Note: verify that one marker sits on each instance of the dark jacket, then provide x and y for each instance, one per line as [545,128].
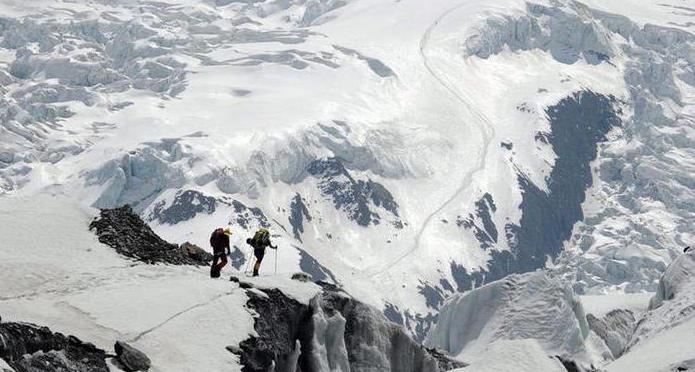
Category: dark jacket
[219,241]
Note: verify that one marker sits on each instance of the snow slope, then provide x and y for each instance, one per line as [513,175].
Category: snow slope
[407,151]
[514,355]
[56,273]
[665,352]
[533,306]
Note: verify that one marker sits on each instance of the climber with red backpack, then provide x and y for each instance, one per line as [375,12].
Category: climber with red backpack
[259,242]
[219,240]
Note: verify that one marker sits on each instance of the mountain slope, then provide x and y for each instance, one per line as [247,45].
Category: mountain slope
[409,159]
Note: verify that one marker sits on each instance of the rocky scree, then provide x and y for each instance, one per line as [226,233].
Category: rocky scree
[130,236]
[30,348]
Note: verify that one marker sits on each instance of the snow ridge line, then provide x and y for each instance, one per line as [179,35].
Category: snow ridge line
[487,130]
[182,312]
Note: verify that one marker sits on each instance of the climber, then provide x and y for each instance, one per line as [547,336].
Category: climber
[259,242]
[219,240]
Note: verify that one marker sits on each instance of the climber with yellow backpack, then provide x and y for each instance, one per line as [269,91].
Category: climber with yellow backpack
[259,242]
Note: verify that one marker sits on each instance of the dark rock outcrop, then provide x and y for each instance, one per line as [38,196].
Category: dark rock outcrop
[130,236]
[298,212]
[359,199]
[247,217]
[195,252]
[31,348]
[481,223]
[350,334]
[130,358]
[186,205]
[302,277]
[444,361]
[578,124]
[313,267]
[281,321]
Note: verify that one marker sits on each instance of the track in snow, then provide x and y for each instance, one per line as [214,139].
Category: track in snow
[486,129]
[182,312]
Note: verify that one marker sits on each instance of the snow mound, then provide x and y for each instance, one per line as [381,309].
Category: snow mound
[528,306]
[514,355]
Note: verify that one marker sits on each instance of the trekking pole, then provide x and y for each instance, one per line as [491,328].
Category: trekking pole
[248,263]
[276,261]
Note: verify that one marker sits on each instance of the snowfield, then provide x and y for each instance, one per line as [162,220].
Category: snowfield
[408,151]
[58,274]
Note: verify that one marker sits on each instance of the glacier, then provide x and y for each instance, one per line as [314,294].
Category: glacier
[406,152]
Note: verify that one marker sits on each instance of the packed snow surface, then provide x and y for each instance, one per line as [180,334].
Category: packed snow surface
[56,273]
[514,355]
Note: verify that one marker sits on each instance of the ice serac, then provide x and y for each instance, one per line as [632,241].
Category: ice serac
[526,306]
[663,335]
[332,332]
[640,205]
[673,303]
[615,329]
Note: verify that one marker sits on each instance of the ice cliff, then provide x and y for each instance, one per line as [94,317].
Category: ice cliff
[527,306]
[331,332]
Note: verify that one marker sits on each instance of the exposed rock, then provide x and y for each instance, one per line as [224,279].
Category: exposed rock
[444,361]
[298,212]
[186,205]
[30,348]
[481,223]
[333,332]
[234,279]
[578,124]
[234,349]
[248,217]
[281,321]
[196,253]
[245,285]
[302,277]
[126,232]
[237,258]
[131,358]
[377,66]
[311,266]
[357,198]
